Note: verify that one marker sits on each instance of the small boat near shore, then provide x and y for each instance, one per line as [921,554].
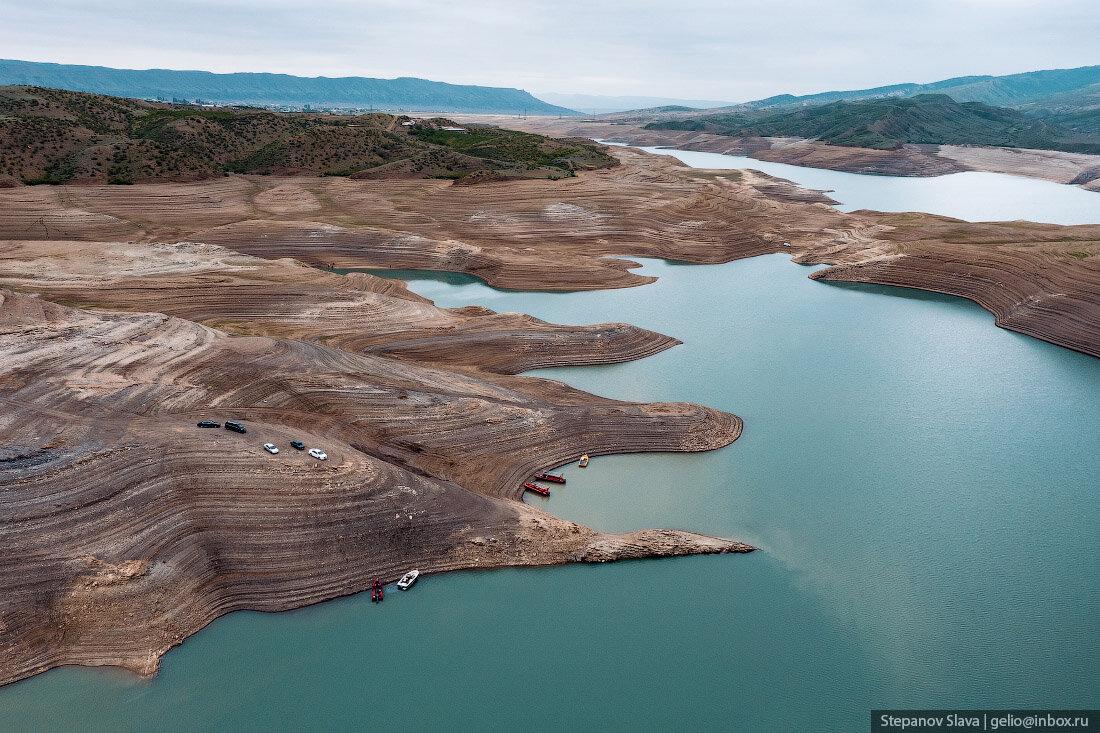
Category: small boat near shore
[376,590]
[408,579]
[550,477]
[583,462]
[536,488]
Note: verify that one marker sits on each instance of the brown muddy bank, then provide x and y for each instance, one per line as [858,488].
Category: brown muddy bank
[127,528]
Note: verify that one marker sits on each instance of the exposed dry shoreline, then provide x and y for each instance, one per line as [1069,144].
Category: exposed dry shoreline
[1076,169]
[127,529]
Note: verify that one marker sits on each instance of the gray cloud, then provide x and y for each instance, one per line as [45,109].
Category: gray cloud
[694,48]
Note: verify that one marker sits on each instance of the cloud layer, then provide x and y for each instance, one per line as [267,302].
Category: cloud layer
[692,48]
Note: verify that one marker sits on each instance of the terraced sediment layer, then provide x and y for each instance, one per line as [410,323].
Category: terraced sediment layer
[1047,286]
[357,312]
[127,528]
[568,235]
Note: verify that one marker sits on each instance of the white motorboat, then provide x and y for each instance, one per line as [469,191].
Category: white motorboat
[408,579]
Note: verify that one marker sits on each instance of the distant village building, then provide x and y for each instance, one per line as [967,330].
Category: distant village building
[454,129]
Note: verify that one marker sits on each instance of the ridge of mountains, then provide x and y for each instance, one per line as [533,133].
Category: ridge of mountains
[406,94]
[1054,109]
[888,123]
[1046,89]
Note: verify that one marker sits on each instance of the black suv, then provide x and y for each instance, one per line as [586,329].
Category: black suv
[209,424]
[235,426]
[297,444]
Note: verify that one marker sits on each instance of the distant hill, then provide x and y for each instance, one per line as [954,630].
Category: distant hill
[1031,88]
[598,104]
[1077,110]
[889,123]
[404,94]
[56,136]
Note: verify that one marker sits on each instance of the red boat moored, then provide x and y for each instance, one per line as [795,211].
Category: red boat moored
[550,477]
[376,590]
[536,488]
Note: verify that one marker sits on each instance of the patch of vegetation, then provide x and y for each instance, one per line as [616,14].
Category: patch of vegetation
[342,173]
[513,148]
[53,136]
[734,176]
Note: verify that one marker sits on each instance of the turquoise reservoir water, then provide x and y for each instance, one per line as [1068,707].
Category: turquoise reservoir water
[923,486]
[970,196]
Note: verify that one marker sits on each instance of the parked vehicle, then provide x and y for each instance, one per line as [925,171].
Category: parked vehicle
[319,454]
[297,445]
[270,448]
[235,426]
[209,424]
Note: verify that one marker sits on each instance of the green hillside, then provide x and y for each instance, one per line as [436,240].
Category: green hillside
[889,123]
[1037,90]
[54,136]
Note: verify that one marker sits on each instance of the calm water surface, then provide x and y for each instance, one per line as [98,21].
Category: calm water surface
[923,486]
[971,196]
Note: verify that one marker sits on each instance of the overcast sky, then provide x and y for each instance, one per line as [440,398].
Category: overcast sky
[734,51]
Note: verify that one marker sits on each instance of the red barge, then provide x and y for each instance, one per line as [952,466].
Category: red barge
[536,488]
[550,477]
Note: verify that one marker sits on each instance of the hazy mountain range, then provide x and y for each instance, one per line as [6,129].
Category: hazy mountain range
[1013,90]
[404,94]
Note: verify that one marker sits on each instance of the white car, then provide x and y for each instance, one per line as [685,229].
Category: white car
[319,454]
[270,448]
